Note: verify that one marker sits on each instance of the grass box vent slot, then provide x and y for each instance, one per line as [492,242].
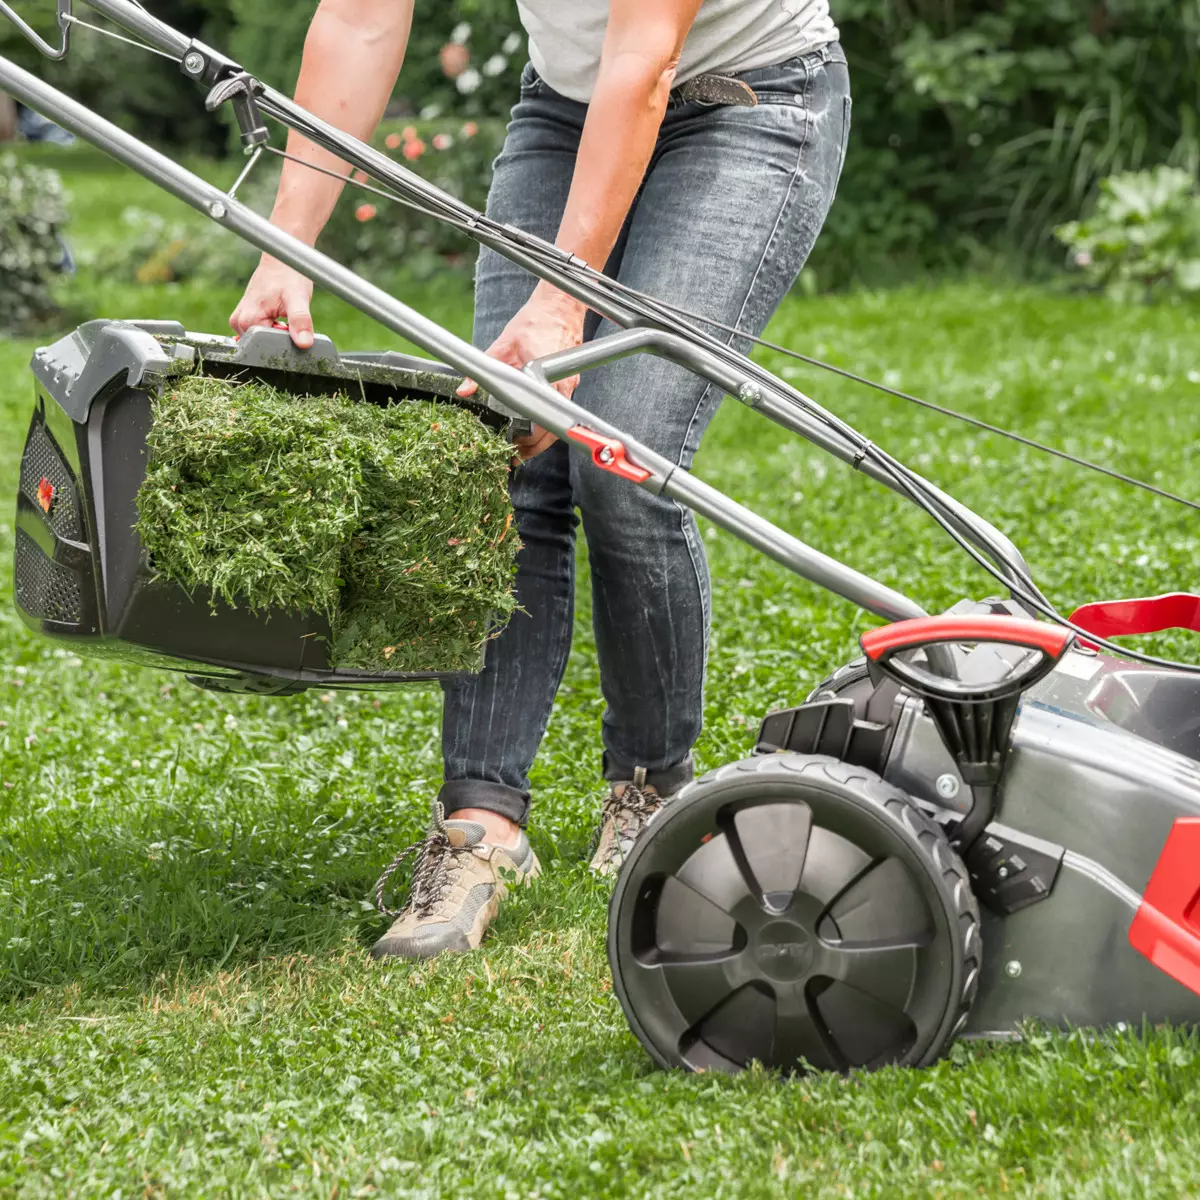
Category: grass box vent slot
[263,518]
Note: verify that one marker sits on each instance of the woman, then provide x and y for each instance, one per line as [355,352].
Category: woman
[691,148]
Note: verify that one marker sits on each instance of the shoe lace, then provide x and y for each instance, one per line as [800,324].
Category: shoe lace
[634,804]
[437,865]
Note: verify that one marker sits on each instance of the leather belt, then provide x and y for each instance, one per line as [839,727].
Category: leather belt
[716,89]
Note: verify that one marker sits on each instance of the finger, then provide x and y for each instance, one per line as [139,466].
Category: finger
[503,351]
[299,319]
[566,387]
[529,448]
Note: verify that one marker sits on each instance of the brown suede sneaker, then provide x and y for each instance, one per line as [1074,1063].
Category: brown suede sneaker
[456,889]
[626,810]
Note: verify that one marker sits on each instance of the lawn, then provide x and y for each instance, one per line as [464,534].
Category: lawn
[187,1005]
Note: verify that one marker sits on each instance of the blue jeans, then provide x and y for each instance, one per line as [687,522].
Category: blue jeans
[730,207]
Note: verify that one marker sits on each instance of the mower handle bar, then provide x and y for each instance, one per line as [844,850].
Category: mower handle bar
[765,395]
[526,393]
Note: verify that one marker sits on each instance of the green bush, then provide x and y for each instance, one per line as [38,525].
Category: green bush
[139,91]
[32,215]
[1143,240]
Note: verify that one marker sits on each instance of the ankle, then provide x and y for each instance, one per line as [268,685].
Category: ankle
[498,830]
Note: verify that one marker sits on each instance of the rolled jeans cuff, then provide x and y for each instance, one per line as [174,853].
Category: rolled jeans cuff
[666,781]
[482,793]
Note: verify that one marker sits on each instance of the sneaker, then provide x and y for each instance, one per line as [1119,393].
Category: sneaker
[456,889]
[626,810]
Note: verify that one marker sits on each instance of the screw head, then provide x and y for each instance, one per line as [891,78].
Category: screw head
[606,455]
[947,786]
[216,210]
[1003,872]
[750,393]
[1012,969]
[193,63]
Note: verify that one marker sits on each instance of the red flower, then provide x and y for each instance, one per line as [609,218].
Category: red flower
[393,141]
[365,212]
[414,148]
[454,59]
[442,141]
[408,132]
[45,494]
[470,129]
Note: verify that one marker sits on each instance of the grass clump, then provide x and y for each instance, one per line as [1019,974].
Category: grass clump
[393,523]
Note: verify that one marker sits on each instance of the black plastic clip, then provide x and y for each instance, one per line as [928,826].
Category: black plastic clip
[240,90]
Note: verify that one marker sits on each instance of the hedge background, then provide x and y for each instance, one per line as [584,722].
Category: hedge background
[978,124]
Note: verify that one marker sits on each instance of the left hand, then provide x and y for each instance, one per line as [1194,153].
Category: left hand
[550,321]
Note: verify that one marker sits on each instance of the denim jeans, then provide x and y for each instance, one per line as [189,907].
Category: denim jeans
[729,209]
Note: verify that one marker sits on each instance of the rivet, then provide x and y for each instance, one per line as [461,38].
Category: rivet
[947,786]
[749,393]
[606,455]
[1012,969]
[216,210]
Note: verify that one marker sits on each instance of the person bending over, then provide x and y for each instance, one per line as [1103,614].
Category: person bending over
[690,149]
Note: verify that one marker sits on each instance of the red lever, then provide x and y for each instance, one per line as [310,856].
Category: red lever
[1146,614]
[1051,640]
[1167,926]
[608,453]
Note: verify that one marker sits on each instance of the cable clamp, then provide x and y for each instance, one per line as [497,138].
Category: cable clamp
[864,452]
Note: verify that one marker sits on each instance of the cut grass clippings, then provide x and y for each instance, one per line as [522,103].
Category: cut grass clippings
[393,523]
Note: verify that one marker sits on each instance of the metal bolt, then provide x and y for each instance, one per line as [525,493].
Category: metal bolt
[750,393]
[606,455]
[193,63]
[947,786]
[1012,969]
[216,210]
[1003,872]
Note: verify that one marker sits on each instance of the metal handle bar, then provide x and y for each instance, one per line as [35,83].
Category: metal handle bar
[768,397]
[529,397]
[31,34]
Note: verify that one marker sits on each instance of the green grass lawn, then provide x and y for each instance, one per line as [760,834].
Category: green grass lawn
[187,1006]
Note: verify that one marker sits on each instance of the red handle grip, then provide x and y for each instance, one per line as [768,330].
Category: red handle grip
[1051,640]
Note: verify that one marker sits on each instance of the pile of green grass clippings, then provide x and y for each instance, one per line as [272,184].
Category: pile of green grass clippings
[392,522]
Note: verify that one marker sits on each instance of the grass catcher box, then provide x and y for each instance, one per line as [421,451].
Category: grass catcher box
[155,523]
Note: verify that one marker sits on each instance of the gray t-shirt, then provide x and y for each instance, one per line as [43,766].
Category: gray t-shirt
[565,37]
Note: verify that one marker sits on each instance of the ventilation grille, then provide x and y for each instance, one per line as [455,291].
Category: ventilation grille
[47,481]
[45,589]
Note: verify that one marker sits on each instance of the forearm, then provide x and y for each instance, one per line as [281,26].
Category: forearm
[619,134]
[352,56]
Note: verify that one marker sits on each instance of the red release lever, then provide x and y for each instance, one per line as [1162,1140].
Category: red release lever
[1145,614]
[1051,640]
[1167,926]
[608,453]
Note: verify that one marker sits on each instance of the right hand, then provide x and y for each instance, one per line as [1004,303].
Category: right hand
[276,293]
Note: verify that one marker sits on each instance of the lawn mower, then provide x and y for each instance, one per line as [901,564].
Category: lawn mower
[991,816]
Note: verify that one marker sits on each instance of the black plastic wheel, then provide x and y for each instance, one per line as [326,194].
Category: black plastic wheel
[796,911]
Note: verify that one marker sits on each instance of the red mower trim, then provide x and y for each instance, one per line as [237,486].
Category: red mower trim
[1167,926]
[608,453]
[1145,614]
[1013,631]
[45,494]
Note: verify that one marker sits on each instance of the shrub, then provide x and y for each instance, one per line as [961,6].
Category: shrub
[1143,240]
[32,215]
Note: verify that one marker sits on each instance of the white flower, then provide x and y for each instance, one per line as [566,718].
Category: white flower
[460,32]
[495,64]
[230,722]
[431,112]
[512,43]
[468,81]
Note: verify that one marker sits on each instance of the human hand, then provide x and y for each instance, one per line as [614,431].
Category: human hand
[276,293]
[550,321]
